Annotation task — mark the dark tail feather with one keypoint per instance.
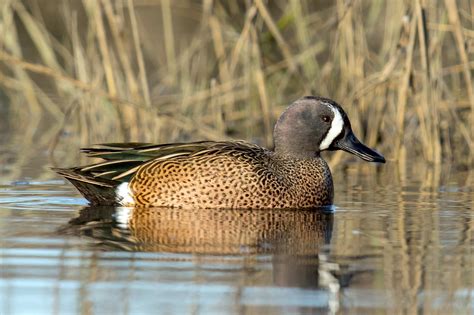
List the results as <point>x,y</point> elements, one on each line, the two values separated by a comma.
<point>98,191</point>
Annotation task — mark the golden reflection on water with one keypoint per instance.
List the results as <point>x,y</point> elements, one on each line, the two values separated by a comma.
<point>207,231</point>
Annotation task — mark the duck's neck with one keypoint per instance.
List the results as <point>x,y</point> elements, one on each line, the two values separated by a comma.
<point>295,143</point>
<point>296,155</point>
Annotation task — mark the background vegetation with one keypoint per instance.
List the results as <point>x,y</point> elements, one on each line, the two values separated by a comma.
<point>77,72</point>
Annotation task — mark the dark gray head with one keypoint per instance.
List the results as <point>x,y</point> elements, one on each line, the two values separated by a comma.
<point>313,124</point>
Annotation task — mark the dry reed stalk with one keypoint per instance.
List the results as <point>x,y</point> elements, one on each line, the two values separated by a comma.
<point>261,87</point>
<point>39,36</point>
<point>243,38</point>
<point>452,8</point>
<point>10,83</point>
<point>124,79</point>
<point>121,50</point>
<point>377,117</point>
<point>285,49</point>
<point>206,94</point>
<point>79,57</point>
<point>139,53</point>
<point>217,111</point>
<point>456,68</point>
<point>403,86</point>
<point>168,37</point>
<point>11,42</point>
<point>95,12</point>
<point>463,129</point>
<point>426,115</point>
<point>218,42</point>
<point>317,48</point>
<point>43,70</point>
<point>310,66</point>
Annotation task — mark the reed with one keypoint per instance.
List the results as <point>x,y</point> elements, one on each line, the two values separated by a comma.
<point>162,71</point>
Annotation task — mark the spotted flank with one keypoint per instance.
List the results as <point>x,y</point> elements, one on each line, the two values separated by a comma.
<point>226,174</point>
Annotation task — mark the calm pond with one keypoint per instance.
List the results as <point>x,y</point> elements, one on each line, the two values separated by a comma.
<point>397,243</point>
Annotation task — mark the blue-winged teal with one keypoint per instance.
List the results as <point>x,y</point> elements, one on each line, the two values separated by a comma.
<point>227,174</point>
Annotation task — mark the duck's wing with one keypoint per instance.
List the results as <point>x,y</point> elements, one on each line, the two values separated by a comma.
<point>145,151</point>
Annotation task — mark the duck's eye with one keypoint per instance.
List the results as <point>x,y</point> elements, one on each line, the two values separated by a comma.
<point>325,118</point>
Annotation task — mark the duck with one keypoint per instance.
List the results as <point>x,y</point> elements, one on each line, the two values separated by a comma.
<point>227,174</point>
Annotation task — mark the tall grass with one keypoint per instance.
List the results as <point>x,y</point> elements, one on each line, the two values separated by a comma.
<point>81,72</point>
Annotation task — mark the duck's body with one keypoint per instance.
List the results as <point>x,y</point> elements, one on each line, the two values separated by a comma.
<point>204,175</point>
<point>226,174</point>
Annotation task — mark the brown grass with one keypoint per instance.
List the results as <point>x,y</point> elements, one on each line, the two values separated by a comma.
<point>98,71</point>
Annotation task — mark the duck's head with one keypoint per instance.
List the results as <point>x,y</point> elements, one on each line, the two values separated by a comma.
<point>313,124</point>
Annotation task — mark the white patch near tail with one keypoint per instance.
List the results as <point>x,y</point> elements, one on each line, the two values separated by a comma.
<point>337,125</point>
<point>123,215</point>
<point>123,195</point>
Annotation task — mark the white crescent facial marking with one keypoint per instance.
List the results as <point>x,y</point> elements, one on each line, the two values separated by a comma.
<point>123,195</point>
<point>335,130</point>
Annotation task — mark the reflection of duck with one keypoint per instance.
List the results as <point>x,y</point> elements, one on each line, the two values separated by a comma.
<point>228,174</point>
<point>214,231</point>
<point>289,241</point>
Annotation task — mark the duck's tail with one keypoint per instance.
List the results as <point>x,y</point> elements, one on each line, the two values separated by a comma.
<point>97,190</point>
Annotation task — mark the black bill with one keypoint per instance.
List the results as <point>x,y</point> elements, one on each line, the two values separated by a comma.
<point>351,144</point>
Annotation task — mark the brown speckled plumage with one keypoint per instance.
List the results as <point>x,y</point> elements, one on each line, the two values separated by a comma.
<point>228,174</point>
<point>233,175</point>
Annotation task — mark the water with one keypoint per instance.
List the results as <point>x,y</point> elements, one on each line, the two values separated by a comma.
<point>398,243</point>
